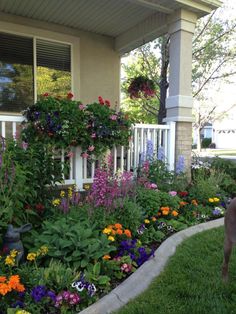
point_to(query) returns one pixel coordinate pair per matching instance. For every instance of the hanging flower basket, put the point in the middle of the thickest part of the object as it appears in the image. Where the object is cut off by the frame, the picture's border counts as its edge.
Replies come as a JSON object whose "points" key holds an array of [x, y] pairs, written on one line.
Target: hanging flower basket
{"points": [[140, 87]]}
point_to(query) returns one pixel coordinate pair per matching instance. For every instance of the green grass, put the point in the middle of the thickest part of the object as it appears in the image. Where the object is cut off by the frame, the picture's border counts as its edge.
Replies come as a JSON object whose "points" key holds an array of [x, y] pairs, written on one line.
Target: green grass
{"points": [[191, 282]]}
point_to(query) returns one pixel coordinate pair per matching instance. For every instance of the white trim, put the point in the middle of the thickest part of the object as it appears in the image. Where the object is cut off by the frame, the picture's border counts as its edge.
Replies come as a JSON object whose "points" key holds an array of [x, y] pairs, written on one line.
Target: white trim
{"points": [[179, 119], [179, 101], [152, 5]]}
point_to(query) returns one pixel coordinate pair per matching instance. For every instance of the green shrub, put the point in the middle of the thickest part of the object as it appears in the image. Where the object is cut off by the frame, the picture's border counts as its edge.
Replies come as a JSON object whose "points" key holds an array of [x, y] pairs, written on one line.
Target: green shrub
{"points": [[75, 243], [206, 142], [228, 166], [204, 188], [151, 201], [159, 174]]}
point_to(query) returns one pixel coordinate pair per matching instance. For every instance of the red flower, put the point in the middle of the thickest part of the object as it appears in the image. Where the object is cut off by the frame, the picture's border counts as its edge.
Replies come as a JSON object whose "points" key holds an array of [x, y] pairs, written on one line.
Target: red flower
{"points": [[101, 101], [70, 95], [39, 207], [46, 94], [107, 103], [183, 193]]}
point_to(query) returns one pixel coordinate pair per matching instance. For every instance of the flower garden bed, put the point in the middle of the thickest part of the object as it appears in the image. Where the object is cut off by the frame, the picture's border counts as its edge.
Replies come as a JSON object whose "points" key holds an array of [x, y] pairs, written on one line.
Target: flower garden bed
{"points": [[81, 246]]}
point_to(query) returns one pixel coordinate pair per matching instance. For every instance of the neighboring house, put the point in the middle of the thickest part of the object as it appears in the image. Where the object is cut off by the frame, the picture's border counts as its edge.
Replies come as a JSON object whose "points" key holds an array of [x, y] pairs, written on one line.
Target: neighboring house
{"points": [[58, 45], [206, 132], [224, 131]]}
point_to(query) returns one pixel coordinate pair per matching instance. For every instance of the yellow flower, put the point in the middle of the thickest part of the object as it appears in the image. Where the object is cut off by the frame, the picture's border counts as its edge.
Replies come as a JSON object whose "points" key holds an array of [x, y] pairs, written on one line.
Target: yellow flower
{"points": [[216, 199], [9, 260], [106, 231], [56, 202], [22, 312], [42, 251], [147, 221], [13, 253], [70, 192], [211, 200], [62, 194], [111, 238], [86, 187], [31, 256]]}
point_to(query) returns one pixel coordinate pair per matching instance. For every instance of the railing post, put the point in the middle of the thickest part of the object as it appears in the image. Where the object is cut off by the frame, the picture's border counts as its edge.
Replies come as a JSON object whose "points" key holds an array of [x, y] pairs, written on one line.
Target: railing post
{"points": [[171, 146], [78, 168]]}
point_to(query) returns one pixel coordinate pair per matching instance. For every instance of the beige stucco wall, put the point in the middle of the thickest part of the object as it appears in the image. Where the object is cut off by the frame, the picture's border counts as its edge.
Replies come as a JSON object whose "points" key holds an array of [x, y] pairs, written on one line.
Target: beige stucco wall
{"points": [[95, 63]]}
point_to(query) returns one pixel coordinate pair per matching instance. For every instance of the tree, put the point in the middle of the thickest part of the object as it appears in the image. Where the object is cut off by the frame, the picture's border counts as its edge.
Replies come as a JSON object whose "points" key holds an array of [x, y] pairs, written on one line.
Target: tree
{"points": [[213, 61]]}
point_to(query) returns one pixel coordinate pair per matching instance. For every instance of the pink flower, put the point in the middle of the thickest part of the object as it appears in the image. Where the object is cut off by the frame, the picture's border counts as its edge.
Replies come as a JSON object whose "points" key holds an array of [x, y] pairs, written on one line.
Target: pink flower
{"points": [[113, 117], [126, 268], [81, 107], [93, 135], [24, 145], [85, 155], [91, 148], [172, 193], [70, 154]]}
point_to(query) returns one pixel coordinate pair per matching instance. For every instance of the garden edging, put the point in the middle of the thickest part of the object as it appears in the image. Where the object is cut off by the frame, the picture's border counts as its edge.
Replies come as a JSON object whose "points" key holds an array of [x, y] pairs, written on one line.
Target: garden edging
{"points": [[141, 279]]}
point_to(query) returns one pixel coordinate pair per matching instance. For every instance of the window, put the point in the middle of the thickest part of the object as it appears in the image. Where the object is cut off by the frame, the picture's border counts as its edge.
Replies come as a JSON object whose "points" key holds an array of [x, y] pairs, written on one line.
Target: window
{"points": [[52, 67]]}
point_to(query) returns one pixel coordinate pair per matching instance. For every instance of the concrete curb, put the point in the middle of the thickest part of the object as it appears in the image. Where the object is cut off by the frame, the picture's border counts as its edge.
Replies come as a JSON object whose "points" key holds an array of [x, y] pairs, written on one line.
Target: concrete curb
{"points": [[143, 276]]}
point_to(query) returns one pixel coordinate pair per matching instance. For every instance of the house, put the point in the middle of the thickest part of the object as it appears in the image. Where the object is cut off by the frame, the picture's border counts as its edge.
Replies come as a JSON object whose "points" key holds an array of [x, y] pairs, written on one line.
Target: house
{"points": [[57, 45]]}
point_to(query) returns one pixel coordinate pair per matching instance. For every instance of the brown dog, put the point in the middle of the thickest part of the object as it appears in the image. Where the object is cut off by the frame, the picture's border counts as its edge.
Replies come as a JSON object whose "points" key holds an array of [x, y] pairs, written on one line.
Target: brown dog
{"points": [[230, 236]]}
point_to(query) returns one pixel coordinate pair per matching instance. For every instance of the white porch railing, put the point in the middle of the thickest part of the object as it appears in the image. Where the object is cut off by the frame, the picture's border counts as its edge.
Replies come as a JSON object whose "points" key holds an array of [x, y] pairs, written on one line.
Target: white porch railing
{"points": [[81, 170]]}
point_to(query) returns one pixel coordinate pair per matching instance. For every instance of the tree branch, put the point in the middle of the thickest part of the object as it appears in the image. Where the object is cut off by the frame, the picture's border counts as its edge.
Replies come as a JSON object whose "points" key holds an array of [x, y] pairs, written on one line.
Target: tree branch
{"points": [[205, 27], [209, 78]]}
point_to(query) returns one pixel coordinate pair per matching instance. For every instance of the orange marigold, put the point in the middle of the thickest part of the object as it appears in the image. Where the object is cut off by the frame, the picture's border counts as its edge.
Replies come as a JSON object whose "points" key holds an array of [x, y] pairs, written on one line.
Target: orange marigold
{"points": [[127, 232], [118, 226], [2, 279], [165, 212], [194, 202], [165, 208], [183, 203], [174, 213], [20, 288], [119, 231], [4, 288], [106, 257], [14, 281]]}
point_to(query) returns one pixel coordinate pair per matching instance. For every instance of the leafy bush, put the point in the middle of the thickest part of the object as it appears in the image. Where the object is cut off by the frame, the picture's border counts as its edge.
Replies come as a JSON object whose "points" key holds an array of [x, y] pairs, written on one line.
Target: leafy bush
{"points": [[206, 142], [159, 174], [14, 187], [75, 243], [228, 166], [151, 201], [204, 188]]}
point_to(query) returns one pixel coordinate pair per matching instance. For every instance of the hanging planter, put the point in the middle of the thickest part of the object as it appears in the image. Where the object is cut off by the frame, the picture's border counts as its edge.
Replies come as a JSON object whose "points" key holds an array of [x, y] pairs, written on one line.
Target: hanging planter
{"points": [[141, 86]]}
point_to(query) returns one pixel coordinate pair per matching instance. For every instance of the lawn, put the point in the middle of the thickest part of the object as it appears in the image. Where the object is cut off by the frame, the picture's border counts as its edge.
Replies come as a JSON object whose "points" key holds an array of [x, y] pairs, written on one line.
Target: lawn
{"points": [[191, 282]]}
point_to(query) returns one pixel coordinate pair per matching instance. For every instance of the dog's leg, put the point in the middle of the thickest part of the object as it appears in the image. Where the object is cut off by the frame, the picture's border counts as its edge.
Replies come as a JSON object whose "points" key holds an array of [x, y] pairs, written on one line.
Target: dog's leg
{"points": [[227, 252]]}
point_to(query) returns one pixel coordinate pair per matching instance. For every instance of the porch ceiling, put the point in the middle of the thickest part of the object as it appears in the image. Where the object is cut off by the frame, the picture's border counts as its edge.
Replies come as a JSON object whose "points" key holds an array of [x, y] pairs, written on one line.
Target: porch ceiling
{"points": [[125, 20]]}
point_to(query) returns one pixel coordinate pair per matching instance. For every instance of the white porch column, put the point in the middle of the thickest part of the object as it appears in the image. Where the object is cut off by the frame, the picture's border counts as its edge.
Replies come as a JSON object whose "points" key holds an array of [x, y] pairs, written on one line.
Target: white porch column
{"points": [[179, 102]]}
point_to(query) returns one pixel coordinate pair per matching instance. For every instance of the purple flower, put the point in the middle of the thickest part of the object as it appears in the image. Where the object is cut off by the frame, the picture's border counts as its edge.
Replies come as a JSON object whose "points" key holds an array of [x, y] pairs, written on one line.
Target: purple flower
{"points": [[38, 293], [180, 165], [18, 304], [160, 153], [51, 295], [149, 153], [216, 211]]}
